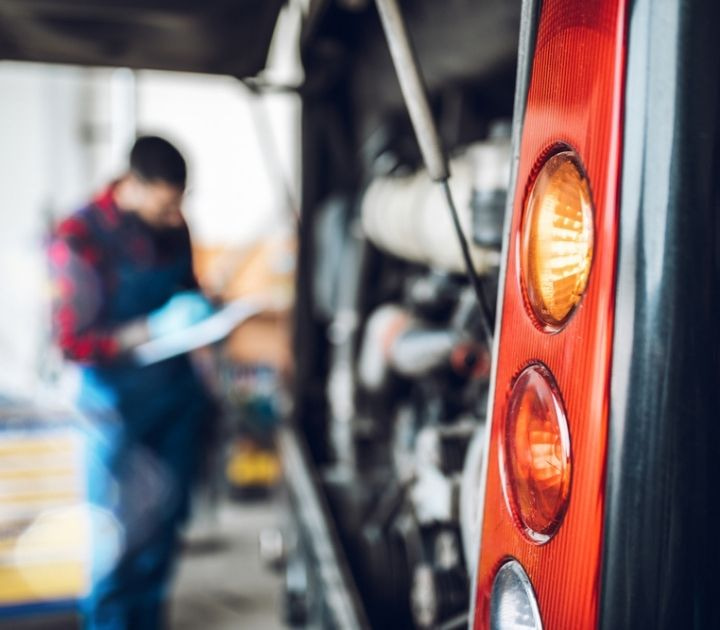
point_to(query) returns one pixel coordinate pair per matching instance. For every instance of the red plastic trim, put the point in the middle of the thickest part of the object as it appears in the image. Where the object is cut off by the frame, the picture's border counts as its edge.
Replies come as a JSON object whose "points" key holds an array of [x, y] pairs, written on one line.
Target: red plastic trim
{"points": [[575, 99]]}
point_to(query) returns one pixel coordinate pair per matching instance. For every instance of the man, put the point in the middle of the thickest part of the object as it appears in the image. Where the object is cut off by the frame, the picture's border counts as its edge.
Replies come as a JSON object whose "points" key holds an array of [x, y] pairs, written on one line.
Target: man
{"points": [[122, 271]]}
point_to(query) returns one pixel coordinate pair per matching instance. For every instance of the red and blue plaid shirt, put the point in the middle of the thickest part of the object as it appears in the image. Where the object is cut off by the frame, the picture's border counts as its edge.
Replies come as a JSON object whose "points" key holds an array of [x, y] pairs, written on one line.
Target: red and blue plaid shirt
{"points": [[91, 254]]}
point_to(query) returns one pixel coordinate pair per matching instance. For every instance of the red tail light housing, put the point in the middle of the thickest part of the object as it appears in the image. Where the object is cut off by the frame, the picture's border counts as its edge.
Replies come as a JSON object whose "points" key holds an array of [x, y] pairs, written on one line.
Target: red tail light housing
{"points": [[574, 104]]}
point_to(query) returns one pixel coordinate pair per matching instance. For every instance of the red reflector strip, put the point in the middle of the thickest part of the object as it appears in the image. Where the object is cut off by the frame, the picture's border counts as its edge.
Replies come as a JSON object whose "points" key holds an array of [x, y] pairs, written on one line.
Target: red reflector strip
{"points": [[575, 101]]}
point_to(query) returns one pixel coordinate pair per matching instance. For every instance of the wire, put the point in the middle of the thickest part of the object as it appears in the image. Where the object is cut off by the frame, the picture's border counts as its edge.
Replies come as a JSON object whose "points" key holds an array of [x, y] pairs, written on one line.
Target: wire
{"points": [[485, 310], [414, 94]]}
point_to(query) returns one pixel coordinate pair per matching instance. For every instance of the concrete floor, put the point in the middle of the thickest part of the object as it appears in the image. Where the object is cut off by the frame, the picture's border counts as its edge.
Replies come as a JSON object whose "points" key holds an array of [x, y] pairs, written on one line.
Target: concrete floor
{"points": [[222, 583]]}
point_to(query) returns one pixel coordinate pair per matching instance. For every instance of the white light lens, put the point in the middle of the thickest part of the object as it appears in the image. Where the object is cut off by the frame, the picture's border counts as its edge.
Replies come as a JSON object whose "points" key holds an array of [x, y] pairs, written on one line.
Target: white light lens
{"points": [[512, 601]]}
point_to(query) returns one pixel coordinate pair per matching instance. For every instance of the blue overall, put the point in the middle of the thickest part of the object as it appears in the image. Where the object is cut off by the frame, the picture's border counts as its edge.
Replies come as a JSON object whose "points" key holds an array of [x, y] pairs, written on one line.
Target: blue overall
{"points": [[148, 423]]}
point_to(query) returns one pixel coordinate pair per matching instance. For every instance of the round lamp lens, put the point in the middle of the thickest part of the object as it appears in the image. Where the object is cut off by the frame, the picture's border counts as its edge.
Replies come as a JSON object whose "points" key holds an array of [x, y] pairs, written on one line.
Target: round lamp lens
{"points": [[557, 240], [535, 454], [512, 600]]}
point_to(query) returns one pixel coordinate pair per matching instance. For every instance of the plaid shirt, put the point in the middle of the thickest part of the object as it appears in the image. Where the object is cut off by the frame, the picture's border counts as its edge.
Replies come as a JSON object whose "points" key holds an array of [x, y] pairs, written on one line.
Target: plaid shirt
{"points": [[94, 254]]}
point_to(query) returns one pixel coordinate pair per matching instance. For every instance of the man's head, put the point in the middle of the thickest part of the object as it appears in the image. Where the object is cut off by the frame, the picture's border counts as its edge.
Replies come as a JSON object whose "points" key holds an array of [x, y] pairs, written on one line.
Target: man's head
{"points": [[155, 183]]}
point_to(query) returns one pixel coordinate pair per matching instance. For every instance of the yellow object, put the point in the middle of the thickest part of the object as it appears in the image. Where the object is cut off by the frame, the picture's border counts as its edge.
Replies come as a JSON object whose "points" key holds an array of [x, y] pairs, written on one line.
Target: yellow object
{"points": [[249, 466], [44, 523], [557, 240], [43, 582]]}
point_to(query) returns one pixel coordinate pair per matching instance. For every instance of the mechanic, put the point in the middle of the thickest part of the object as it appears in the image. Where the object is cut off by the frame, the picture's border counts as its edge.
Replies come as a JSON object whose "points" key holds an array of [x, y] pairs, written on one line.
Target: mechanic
{"points": [[122, 275]]}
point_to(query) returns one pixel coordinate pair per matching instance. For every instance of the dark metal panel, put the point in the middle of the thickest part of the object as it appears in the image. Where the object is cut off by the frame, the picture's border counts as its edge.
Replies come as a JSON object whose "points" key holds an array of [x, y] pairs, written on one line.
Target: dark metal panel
{"points": [[456, 41], [340, 603], [459, 43], [214, 36], [661, 555]]}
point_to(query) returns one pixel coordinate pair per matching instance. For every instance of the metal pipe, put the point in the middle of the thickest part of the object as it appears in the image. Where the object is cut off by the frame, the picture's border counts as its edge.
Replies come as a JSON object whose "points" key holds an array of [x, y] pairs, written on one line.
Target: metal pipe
{"points": [[413, 89], [415, 96]]}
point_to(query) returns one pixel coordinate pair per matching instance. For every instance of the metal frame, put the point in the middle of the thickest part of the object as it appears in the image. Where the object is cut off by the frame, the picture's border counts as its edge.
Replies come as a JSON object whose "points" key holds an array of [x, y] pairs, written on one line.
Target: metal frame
{"points": [[661, 554]]}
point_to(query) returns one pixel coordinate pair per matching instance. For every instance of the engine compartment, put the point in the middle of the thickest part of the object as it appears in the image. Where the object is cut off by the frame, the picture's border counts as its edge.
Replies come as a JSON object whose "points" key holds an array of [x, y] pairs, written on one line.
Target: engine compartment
{"points": [[392, 385]]}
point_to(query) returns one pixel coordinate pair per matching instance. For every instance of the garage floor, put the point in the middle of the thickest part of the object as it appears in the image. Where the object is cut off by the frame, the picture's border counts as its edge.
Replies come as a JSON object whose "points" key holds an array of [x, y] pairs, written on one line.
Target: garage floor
{"points": [[222, 583]]}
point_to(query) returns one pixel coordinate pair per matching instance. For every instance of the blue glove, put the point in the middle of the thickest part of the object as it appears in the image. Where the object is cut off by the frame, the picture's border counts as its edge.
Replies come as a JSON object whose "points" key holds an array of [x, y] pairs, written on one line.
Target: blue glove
{"points": [[180, 312]]}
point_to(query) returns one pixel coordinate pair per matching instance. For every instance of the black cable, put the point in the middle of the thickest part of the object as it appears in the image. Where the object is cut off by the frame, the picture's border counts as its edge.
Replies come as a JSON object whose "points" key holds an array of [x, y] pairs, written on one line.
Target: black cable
{"points": [[486, 317], [414, 94]]}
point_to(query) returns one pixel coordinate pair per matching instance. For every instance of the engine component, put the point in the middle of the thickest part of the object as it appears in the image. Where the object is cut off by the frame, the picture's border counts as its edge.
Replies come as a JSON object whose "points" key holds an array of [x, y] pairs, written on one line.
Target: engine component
{"points": [[491, 166], [395, 341], [407, 217], [437, 594], [433, 496], [426, 131], [439, 583], [444, 446], [382, 328], [417, 351], [471, 498], [433, 296], [390, 545]]}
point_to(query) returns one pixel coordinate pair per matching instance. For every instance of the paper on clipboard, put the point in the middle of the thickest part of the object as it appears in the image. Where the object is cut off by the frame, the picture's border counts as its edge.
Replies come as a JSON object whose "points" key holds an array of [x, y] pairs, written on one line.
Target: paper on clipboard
{"points": [[209, 331]]}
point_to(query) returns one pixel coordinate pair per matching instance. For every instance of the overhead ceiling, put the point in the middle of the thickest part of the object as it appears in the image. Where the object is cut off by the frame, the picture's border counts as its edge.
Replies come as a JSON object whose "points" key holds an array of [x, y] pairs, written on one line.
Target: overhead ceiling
{"points": [[212, 36], [470, 44]]}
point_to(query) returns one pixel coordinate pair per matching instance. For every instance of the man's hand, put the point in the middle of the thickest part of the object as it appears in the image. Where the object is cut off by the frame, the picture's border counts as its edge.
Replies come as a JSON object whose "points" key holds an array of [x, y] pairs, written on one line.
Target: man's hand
{"points": [[179, 312]]}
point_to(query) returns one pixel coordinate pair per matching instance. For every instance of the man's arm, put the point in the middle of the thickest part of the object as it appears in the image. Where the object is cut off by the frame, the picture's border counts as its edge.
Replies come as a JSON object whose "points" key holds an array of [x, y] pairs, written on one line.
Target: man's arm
{"points": [[79, 295]]}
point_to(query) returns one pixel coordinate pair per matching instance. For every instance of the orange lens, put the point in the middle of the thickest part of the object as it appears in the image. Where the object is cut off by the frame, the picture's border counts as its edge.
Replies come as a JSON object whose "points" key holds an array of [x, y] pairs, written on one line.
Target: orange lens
{"points": [[557, 239], [536, 454]]}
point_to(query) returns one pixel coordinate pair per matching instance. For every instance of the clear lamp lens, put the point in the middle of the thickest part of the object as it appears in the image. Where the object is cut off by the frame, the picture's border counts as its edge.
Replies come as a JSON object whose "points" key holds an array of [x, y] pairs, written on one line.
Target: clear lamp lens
{"points": [[512, 601]]}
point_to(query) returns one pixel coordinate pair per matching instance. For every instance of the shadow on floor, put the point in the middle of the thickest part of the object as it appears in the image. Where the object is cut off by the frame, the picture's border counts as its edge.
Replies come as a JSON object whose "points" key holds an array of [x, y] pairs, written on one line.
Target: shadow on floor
{"points": [[221, 582]]}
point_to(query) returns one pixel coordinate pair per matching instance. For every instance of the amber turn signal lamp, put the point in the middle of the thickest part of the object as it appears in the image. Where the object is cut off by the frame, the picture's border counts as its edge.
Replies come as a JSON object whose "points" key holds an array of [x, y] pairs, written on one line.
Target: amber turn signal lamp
{"points": [[535, 454], [557, 239]]}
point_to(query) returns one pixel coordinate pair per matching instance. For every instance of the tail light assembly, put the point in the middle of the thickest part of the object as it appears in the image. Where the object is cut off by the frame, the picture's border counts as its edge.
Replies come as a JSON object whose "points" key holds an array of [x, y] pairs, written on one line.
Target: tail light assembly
{"points": [[541, 541]]}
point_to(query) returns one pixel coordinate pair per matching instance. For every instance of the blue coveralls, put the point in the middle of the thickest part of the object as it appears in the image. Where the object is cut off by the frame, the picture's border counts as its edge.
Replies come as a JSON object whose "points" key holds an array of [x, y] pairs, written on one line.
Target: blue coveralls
{"points": [[148, 420]]}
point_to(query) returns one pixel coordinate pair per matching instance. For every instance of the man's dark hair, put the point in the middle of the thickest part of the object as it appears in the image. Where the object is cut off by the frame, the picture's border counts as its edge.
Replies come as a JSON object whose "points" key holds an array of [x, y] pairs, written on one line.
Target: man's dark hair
{"points": [[154, 159]]}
